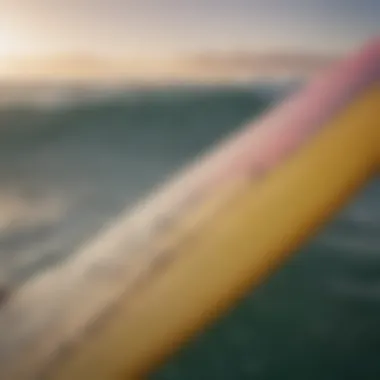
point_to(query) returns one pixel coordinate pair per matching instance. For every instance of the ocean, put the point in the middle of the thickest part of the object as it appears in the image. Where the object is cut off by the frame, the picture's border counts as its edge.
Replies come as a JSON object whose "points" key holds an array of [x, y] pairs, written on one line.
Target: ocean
{"points": [[73, 157]]}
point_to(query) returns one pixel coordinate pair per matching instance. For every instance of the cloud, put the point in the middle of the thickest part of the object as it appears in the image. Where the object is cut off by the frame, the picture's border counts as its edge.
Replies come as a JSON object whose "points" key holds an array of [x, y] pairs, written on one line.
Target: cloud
{"points": [[88, 66], [265, 63], [203, 66], [60, 65]]}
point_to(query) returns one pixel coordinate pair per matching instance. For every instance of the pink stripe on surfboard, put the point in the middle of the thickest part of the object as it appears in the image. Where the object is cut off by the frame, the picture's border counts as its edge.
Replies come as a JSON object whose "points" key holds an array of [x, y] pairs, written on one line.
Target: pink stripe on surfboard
{"points": [[266, 142]]}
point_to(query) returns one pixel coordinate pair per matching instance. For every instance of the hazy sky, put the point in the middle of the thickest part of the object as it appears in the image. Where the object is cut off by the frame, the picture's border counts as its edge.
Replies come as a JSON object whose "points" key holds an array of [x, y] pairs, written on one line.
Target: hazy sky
{"points": [[164, 28]]}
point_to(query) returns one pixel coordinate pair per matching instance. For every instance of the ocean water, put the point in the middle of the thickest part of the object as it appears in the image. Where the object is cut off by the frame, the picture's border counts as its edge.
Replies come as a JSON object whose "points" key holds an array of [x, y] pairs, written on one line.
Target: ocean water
{"points": [[72, 157]]}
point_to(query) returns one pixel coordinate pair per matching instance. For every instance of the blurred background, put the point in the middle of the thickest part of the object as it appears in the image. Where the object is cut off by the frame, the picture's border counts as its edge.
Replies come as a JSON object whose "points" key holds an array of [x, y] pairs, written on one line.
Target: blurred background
{"points": [[101, 100]]}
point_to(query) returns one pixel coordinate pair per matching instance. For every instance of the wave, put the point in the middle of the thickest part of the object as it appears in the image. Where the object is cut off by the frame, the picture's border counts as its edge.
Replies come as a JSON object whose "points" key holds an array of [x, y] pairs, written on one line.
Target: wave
{"points": [[52, 96], [97, 156]]}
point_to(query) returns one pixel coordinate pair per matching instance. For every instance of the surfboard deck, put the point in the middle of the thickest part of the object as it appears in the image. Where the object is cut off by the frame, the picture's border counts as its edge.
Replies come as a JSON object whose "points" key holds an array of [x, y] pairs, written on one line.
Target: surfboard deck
{"points": [[182, 257]]}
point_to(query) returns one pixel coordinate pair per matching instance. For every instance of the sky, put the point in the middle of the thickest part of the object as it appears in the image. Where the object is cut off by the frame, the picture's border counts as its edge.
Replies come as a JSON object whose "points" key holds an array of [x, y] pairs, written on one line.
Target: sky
{"points": [[76, 36]]}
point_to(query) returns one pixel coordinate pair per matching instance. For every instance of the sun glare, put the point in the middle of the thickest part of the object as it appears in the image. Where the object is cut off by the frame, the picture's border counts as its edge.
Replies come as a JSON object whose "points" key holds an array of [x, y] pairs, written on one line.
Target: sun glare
{"points": [[7, 51], [5, 45]]}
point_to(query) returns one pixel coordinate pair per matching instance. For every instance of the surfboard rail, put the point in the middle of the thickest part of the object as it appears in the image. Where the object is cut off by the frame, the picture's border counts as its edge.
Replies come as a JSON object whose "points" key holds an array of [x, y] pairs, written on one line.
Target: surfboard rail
{"points": [[182, 257]]}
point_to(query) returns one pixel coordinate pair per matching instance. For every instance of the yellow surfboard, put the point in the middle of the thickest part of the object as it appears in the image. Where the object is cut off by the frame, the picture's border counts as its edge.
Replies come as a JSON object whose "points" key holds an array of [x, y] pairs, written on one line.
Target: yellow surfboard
{"points": [[164, 271]]}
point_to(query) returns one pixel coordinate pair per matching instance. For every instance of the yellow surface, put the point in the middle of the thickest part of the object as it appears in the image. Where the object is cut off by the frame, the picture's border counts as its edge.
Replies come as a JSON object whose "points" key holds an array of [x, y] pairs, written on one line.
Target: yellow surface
{"points": [[265, 222]]}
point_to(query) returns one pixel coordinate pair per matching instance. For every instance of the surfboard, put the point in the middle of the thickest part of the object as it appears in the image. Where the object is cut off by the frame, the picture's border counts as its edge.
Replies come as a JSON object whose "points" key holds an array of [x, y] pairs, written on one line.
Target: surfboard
{"points": [[183, 256]]}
